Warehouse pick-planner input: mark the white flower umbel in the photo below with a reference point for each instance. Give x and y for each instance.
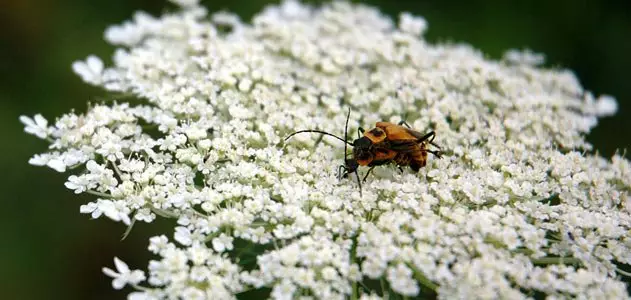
(518, 205)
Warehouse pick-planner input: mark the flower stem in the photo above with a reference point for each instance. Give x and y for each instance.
(384, 292)
(131, 225)
(355, 294)
(163, 213)
(116, 170)
(100, 194)
(625, 273)
(556, 260)
(424, 280)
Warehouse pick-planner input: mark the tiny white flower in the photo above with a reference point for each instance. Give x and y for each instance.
(90, 208)
(145, 295)
(77, 183)
(123, 275)
(91, 70)
(412, 24)
(57, 165)
(158, 243)
(222, 243)
(198, 254)
(39, 159)
(283, 291)
(183, 235)
(526, 57)
(400, 279)
(185, 3)
(370, 297)
(127, 34)
(199, 273)
(37, 126)
(606, 105)
(145, 215)
(115, 210)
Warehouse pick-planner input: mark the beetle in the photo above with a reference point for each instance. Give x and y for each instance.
(385, 143)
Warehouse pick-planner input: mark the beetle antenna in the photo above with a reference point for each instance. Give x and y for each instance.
(346, 132)
(318, 131)
(359, 183)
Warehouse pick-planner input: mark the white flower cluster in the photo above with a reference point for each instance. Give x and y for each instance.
(317, 264)
(518, 205)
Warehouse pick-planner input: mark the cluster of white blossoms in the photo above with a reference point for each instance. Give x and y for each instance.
(518, 206)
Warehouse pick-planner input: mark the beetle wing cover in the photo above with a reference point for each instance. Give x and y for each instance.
(384, 153)
(402, 139)
(376, 135)
(400, 135)
(364, 162)
(416, 134)
(396, 132)
(404, 146)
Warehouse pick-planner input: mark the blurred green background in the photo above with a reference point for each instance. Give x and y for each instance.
(49, 251)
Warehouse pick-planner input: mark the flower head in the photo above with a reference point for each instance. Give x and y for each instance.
(518, 204)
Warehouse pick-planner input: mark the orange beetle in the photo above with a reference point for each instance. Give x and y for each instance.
(395, 143)
(384, 144)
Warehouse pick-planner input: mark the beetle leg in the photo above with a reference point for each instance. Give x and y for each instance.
(359, 183)
(431, 141)
(403, 122)
(339, 172)
(430, 135)
(368, 173)
(360, 132)
(436, 153)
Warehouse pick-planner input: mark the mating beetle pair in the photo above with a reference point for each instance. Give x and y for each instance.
(384, 144)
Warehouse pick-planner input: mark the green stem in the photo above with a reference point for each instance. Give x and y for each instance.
(496, 243)
(625, 273)
(131, 225)
(355, 293)
(116, 170)
(140, 287)
(212, 236)
(163, 213)
(424, 280)
(384, 292)
(555, 261)
(100, 194)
